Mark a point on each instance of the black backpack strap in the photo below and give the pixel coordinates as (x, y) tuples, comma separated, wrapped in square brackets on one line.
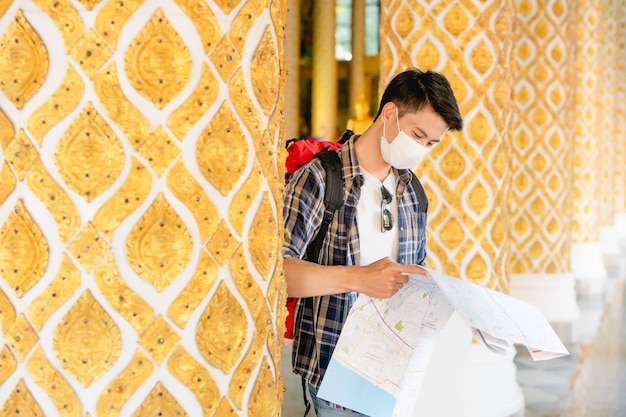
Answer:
[(421, 194)]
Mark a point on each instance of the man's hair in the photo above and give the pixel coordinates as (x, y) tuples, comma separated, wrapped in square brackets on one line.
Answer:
[(414, 89)]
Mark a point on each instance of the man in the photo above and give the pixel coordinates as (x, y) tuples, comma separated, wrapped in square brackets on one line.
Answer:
[(378, 235)]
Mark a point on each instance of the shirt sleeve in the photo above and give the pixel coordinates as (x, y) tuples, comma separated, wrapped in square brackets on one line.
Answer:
[(303, 208)]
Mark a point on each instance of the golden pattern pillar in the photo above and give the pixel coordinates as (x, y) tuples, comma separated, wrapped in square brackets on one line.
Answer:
[(324, 84), (357, 65), (542, 136), (467, 176), (587, 263), (292, 64), (620, 127), (141, 180)]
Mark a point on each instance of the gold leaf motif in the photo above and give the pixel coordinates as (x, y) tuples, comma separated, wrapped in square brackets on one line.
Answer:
[(194, 292), (112, 18), (124, 114), (227, 6), (481, 57), (55, 199), (20, 154), (264, 65), (221, 330), (89, 156), (124, 385), (159, 246), (202, 98), (456, 20), (89, 4), (59, 105), (452, 234), (90, 52), (7, 182), (479, 200), (21, 400), (224, 409), (204, 20), (185, 187), (125, 201), (160, 402), (195, 377), (404, 21), (88, 247), (453, 165), (476, 270), (222, 244), (6, 130), (263, 239), (21, 336), (242, 201), (53, 383), (56, 293), (428, 54), (222, 150), (266, 397), (23, 251), (225, 57), (4, 5), (7, 364), (7, 311), (158, 339), (246, 18), (157, 62), (20, 47), (244, 372), (244, 105), (121, 297), (87, 342), (250, 290), (66, 18), (159, 150)]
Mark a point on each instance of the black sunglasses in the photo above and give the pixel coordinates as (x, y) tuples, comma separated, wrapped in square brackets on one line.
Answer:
[(386, 219)]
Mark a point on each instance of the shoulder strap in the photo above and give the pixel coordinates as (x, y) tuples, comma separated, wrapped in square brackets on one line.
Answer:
[(421, 194), (333, 199)]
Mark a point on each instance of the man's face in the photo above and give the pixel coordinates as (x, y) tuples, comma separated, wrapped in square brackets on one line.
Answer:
[(425, 126)]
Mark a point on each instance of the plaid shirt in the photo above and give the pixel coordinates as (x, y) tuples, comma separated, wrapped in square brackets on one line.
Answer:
[(319, 320)]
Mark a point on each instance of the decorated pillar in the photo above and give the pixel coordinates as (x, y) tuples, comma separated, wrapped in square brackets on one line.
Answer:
[(357, 65), (324, 83), (467, 176), (292, 64), (139, 208), (542, 135)]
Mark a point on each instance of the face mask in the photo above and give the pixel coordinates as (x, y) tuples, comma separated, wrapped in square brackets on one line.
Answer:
[(403, 152)]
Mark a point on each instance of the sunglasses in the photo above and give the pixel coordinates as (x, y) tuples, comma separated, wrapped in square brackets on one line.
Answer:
[(386, 219)]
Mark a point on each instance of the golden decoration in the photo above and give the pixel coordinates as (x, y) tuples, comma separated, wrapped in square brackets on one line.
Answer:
[(157, 62), (7, 311), (222, 150), (479, 200), (244, 106), (222, 244), (124, 385), (4, 5), (160, 402), (90, 52), (21, 336), (20, 154), (186, 188), (194, 292), (200, 100), (6, 130), (58, 106), (7, 182), (250, 290), (89, 155), (428, 54), (120, 110), (55, 199), (159, 247), (159, 339), (23, 251), (204, 20), (221, 330), (196, 378), (404, 21), (266, 396), (20, 47), (135, 310), (227, 6), (54, 384), (7, 364), (62, 287), (242, 24), (159, 150), (66, 18), (20, 402), (243, 374), (89, 4), (243, 199), (112, 18), (225, 409), (225, 57), (456, 20), (130, 196), (263, 238), (264, 63), (88, 247), (87, 342)]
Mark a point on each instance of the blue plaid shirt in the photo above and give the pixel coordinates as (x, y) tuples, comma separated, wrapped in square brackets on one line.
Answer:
[(319, 320)]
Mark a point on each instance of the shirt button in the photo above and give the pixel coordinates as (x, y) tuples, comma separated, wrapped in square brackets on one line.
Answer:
[(402, 229)]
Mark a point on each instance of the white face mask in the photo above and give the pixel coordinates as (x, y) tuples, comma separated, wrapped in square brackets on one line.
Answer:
[(403, 152)]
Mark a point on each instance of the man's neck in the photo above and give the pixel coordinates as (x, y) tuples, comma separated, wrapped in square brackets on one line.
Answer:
[(367, 149)]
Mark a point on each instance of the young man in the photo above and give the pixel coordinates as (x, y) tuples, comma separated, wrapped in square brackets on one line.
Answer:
[(378, 235)]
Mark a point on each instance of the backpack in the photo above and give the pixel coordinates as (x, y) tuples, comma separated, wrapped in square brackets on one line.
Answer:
[(301, 151)]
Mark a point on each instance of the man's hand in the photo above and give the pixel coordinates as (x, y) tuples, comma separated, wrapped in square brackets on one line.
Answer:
[(385, 277)]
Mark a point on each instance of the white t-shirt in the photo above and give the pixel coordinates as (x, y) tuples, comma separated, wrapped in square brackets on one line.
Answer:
[(374, 244)]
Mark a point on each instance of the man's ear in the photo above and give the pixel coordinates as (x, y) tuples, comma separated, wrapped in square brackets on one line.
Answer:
[(389, 112)]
